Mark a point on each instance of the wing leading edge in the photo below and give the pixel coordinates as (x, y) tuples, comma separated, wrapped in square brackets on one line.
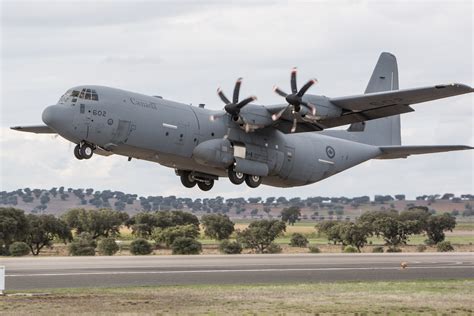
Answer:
[(394, 152), (37, 129)]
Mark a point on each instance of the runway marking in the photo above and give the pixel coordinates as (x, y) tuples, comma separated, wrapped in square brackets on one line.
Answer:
[(230, 271)]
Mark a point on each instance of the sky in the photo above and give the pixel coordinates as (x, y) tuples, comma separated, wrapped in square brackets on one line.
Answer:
[(185, 50)]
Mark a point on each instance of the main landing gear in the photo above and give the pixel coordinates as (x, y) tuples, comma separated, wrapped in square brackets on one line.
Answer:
[(239, 178), (83, 151), (190, 179)]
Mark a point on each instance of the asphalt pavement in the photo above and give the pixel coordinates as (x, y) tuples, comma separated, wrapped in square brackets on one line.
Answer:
[(68, 272)]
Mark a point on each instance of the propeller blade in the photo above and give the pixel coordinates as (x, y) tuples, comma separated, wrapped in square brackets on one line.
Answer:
[(279, 114), (222, 96), (306, 87), (293, 128), (244, 102), (294, 88), (247, 128), (279, 91), (235, 97), (312, 108)]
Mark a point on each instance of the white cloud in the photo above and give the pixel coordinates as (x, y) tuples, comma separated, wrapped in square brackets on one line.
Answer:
[(184, 50)]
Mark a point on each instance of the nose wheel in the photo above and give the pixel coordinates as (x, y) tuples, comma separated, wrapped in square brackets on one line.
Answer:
[(83, 151)]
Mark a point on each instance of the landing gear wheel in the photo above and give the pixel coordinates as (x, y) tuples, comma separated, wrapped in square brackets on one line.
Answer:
[(206, 186), (86, 151), (236, 177), (77, 152), (187, 180), (253, 181)]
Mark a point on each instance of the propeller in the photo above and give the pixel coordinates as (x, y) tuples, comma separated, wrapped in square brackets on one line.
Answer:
[(295, 99), (234, 107)]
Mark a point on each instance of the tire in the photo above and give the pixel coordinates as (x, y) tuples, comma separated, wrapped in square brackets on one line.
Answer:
[(186, 179), (236, 177), (77, 152), (253, 181), (206, 186), (86, 151)]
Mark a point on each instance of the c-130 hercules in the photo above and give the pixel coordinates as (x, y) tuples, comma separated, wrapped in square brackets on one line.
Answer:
[(279, 145)]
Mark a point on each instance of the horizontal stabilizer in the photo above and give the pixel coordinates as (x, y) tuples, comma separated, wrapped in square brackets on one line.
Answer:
[(404, 97), (394, 152), (37, 129)]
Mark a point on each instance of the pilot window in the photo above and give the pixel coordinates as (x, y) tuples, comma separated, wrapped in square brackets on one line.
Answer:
[(89, 94)]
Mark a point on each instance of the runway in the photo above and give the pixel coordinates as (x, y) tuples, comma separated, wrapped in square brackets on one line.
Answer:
[(66, 272)]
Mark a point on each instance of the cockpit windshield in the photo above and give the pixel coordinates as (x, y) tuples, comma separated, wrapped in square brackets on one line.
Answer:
[(86, 94)]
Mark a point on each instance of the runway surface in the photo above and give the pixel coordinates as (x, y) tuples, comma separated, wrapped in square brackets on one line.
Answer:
[(67, 272)]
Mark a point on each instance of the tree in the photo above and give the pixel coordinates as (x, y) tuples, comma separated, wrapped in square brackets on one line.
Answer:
[(99, 223), (437, 225), (354, 234), (175, 218), (332, 230), (168, 235), (186, 246), (393, 231), (43, 229), (291, 215), (140, 247), (108, 246), (13, 227), (298, 240), (143, 224), (419, 215), (83, 245), (230, 247), (259, 235), (400, 197), (217, 226)]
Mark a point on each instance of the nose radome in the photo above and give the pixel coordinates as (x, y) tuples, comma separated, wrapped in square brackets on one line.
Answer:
[(48, 115)]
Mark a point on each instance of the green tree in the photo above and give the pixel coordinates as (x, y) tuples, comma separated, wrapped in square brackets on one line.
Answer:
[(290, 215), (230, 247), (259, 235), (108, 246), (18, 249), (298, 240), (354, 235), (143, 224), (419, 215), (186, 246), (176, 218), (437, 225), (43, 229), (332, 230), (13, 227), (217, 226), (168, 235), (140, 247), (99, 223), (393, 231), (83, 245)]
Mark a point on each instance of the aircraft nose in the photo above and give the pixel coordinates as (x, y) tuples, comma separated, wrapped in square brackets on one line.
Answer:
[(53, 115)]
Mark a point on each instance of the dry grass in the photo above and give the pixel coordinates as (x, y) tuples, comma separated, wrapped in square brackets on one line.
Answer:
[(410, 297)]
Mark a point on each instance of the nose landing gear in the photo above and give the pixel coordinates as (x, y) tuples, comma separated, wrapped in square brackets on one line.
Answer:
[(83, 151)]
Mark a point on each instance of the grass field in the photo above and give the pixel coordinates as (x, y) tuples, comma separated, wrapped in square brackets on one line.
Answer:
[(409, 297)]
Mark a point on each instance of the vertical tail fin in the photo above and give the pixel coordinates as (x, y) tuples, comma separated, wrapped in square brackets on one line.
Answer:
[(384, 131)]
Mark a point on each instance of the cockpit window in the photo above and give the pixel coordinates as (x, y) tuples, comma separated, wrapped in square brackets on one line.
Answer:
[(86, 94)]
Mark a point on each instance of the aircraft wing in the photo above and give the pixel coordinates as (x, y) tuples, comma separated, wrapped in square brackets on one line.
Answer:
[(37, 129), (394, 152)]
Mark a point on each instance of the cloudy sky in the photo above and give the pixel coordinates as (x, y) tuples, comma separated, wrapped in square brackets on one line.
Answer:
[(184, 50)]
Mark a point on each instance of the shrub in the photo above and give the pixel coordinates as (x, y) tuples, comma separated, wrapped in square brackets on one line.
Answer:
[(83, 245), (168, 235), (350, 249), (444, 246), (186, 246), (377, 249), (273, 248), (230, 247), (140, 247), (18, 249), (298, 240), (314, 249), (393, 249), (421, 248), (108, 246)]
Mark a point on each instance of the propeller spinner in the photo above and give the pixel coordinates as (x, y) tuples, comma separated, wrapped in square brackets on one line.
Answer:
[(295, 99)]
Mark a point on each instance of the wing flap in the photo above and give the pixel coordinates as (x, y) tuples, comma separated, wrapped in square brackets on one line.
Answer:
[(37, 129), (395, 152), (404, 97)]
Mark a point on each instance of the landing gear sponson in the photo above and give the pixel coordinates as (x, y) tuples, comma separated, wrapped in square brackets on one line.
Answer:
[(83, 151), (206, 181)]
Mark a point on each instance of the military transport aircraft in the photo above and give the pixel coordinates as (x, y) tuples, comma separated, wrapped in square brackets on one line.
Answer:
[(281, 145)]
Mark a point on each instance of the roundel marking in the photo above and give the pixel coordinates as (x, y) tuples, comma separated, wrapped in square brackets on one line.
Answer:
[(330, 152), (110, 121)]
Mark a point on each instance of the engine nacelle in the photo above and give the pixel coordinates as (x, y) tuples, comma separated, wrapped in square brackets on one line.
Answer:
[(216, 153)]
